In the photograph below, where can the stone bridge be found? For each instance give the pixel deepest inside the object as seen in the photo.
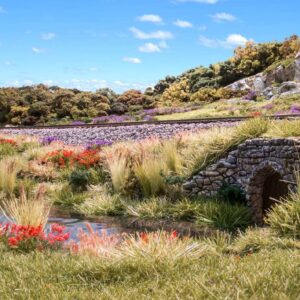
(263, 168)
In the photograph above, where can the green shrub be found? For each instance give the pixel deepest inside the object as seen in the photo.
(231, 194)
(79, 179)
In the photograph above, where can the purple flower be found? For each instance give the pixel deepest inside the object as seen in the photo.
(269, 106)
(47, 140)
(250, 96)
(295, 109)
(100, 120)
(97, 144)
(75, 123)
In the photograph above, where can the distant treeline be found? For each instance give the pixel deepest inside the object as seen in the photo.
(41, 104)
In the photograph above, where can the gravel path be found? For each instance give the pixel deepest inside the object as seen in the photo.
(82, 136)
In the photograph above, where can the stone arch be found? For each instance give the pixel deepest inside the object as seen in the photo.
(264, 186)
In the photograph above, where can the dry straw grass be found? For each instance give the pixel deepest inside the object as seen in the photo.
(27, 209)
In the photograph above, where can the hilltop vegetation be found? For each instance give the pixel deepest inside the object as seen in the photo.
(43, 105)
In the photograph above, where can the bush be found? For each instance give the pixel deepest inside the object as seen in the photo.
(79, 179)
(231, 194)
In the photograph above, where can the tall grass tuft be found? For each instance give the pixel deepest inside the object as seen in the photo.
(218, 144)
(162, 247)
(155, 208)
(100, 202)
(119, 172)
(284, 218)
(29, 209)
(171, 156)
(224, 216)
(9, 168)
(149, 174)
(285, 128)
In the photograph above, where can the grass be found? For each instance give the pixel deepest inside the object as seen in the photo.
(218, 144)
(100, 203)
(260, 263)
(284, 218)
(119, 173)
(149, 174)
(226, 108)
(28, 209)
(268, 274)
(9, 168)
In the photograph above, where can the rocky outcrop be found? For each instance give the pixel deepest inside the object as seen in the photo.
(249, 167)
(280, 81)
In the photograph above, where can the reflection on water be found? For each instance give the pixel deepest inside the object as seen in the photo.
(73, 223)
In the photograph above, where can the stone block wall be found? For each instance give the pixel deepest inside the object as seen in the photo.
(249, 166)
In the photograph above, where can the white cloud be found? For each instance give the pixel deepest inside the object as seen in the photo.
(163, 45)
(48, 36)
(232, 41)
(159, 35)
(236, 40)
(151, 18)
(133, 60)
(200, 1)
(8, 63)
(183, 24)
(149, 48)
(223, 17)
(37, 50)
(202, 28)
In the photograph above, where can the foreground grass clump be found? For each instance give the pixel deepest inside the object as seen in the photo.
(61, 276)
(29, 209)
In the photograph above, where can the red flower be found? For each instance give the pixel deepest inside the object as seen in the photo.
(12, 241)
(144, 237)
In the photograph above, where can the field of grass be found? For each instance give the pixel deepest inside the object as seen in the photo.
(229, 108)
(143, 180)
(269, 274)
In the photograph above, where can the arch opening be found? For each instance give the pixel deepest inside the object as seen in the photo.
(264, 189)
(273, 189)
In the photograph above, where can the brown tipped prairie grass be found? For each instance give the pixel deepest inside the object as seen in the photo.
(171, 156)
(9, 168)
(29, 209)
(149, 174)
(119, 172)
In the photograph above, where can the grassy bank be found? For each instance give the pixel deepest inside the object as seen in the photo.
(238, 107)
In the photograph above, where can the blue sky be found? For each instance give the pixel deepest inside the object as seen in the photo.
(125, 44)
